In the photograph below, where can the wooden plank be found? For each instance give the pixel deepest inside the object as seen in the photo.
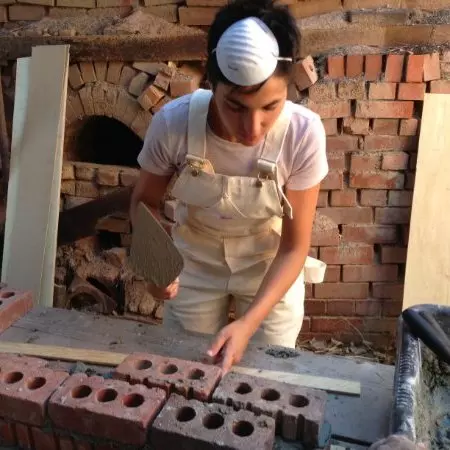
(19, 116)
(107, 358)
(353, 419)
(33, 238)
(428, 259)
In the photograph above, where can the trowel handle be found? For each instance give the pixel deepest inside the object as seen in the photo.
(431, 334)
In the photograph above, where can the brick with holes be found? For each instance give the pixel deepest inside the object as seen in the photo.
(195, 425)
(299, 412)
(109, 409)
(25, 391)
(188, 378)
(13, 305)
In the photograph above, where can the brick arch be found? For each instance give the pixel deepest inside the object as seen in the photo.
(106, 99)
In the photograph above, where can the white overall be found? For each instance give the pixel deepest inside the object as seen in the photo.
(228, 231)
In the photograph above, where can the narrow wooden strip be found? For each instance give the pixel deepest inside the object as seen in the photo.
(104, 358)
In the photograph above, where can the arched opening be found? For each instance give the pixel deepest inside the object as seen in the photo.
(104, 140)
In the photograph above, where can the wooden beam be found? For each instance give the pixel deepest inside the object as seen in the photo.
(104, 358)
(428, 259)
(33, 232)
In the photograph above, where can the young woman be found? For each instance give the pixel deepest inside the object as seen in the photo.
(249, 165)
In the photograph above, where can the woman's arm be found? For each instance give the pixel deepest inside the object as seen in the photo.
(284, 270)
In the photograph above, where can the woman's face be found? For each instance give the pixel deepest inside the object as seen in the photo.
(245, 115)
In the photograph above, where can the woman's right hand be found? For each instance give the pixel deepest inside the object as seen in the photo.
(165, 293)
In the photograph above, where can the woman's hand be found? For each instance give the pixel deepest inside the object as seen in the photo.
(167, 293)
(230, 344)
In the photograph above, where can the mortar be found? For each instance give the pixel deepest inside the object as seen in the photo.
(421, 408)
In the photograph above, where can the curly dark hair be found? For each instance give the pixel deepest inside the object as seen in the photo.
(276, 17)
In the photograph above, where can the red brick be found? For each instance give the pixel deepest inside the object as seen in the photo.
(388, 290)
(385, 126)
(331, 110)
(392, 308)
(25, 391)
(431, 67)
(440, 87)
(392, 255)
(355, 65)
(333, 274)
(84, 445)
(352, 89)
(410, 180)
(342, 143)
(324, 91)
(344, 215)
(65, 443)
(336, 160)
(14, 304)
(313, 252)
(334, 325)
(411, 91)
(375, 197)
(43, 440)
(368, 307)
(379, 325)
(405, 234)
(315, 307)
(383, 272)
(394, 68)
(373, 67)
(392, 215)
(325, 232)
(369, 234)
(305, 73)
(343, 198)
(414, 68)
(336, 67)
(26, 12)
(306, 325)
(323, 199)
(7, 433)
(110, 409)
(382, 91)
(400, 198)
(409, 127)
(395, 161)
(341, 291)
(384, 109)
(348, 254)
(198, 380)
(390, 143)
(192, 432)
(24, 438)
(341, 307)
(308, 290)
(351, 125)
(333, 180)
(377, 180)
(364, 161)
(330, 126)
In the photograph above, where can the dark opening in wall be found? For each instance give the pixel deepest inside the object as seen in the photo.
(104, 140)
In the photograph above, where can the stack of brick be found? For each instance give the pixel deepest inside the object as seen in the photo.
(152, 401)
(371, 108)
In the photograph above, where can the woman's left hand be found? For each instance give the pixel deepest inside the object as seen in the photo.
(230, 344)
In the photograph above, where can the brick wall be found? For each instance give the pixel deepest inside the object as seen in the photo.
(371, 107)
(201, 12)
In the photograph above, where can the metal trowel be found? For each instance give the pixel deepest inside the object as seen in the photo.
(153, 254)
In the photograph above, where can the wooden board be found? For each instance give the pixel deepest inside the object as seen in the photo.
(18, 129)
(107, 358)
(427, 277)
(33, 232)
(153, 254)
(353, 419)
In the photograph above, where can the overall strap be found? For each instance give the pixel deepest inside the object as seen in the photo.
(198, 114)
(273, 146)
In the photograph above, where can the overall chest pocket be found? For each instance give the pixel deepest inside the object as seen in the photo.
(198, 188)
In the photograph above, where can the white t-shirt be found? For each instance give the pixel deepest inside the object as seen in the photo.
(301, 165)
